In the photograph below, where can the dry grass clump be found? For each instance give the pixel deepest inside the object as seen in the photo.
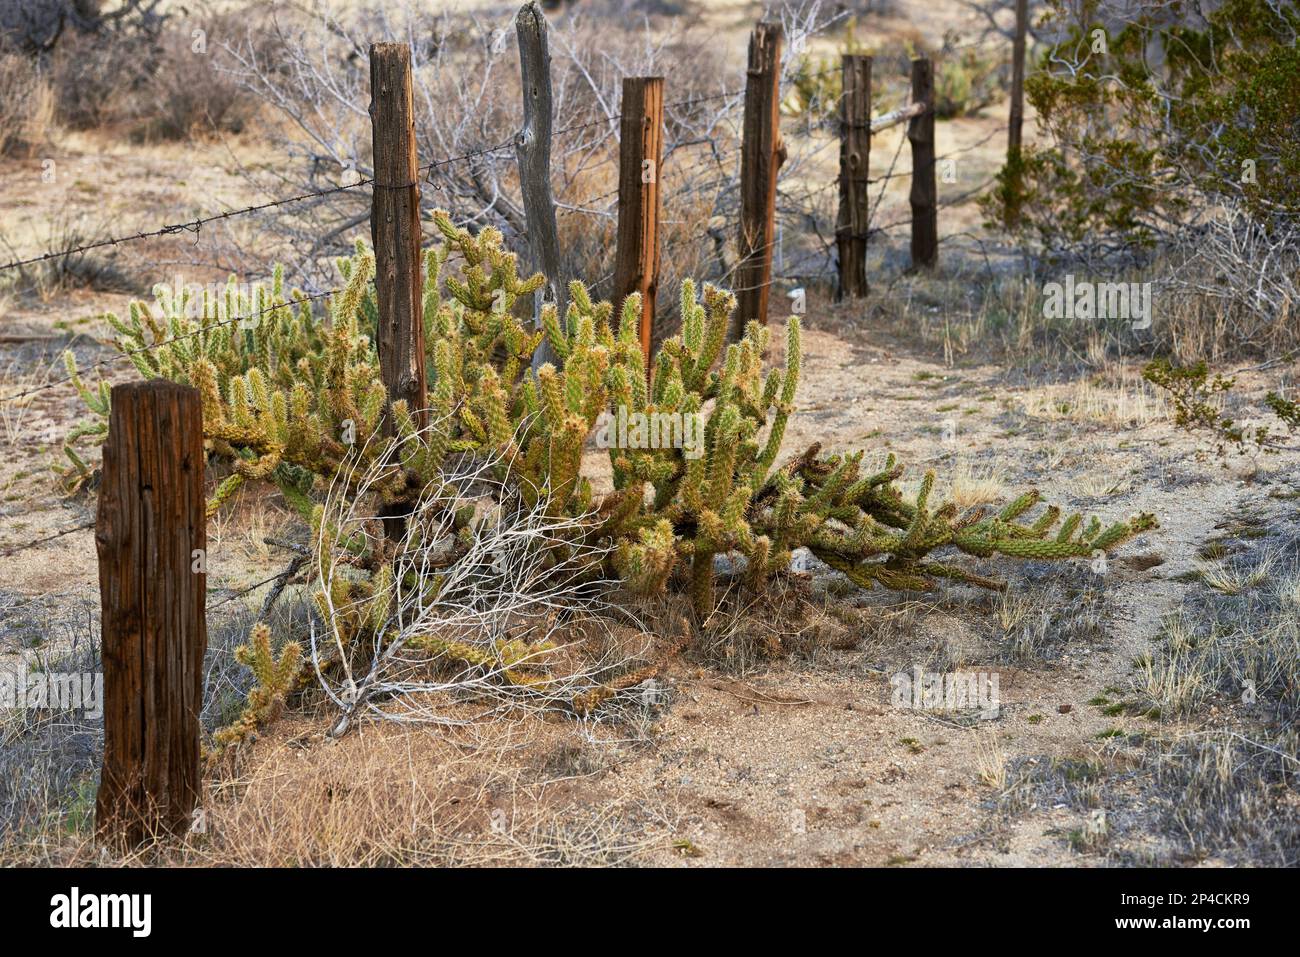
(786, 620)
(389, 797)
(1041, 622)
(1238, 640)
(1226, 794)
(94, 269)
(375, 798)
(991, 761)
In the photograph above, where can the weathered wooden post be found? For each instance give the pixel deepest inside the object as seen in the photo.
(151, 537)
(395, 233)
(925, 190)
(1016, 120)
(855, 152)
(395, 230)
(640, 154)
(762, 154)
(533, 151)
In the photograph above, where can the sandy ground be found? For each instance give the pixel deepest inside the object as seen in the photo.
(806, 761)
(802, 761)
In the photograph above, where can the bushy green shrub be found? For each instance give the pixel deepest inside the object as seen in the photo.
(1139, 144)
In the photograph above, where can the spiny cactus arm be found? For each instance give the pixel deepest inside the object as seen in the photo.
(646, 563)
(629, 319)
(223, 493)
(956, 573)
(274, 679)
(492, 409)
(98, 401)
(701, 584)
(293, 492)
(830, 492)
(1031, 542)
(476, 657)
(919, 576)
(868, 574)
(80, 472)
(554, 333)
(913, 543)
(435, 257)
(619, 511)
(722, 457)
(714, 315)
(565, 461)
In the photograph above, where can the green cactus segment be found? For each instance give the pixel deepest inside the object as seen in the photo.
(296, 401)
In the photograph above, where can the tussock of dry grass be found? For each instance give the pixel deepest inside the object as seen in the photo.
(388, 797)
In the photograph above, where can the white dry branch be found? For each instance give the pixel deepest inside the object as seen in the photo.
(309, 68)
(1249, 272)
(524, 579)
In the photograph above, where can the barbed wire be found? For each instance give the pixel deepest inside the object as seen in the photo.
(191, 226)
(196, 225)
(286, 573)
(15, 549)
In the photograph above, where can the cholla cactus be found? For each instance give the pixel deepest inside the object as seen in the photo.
(673, 507)
(274, 677)
(286, 397)
(291, 400)
(864, 528)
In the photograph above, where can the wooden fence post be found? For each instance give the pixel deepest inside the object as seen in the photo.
(762, 153)
(855, 153)
(925, 190)
(533, 150)
(640, 152)
(151, 537)
(395, 230)
(1017, 118)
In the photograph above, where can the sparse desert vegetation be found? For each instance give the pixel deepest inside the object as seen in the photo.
(976, 568)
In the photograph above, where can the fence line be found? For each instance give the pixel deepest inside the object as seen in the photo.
(164, 624)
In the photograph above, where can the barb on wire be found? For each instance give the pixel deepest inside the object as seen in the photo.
(15, 549)
(196, 225)
(429, 168)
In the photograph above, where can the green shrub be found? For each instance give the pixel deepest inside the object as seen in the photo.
(1135, 146)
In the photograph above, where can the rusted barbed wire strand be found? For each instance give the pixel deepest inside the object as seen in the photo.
(15, 549)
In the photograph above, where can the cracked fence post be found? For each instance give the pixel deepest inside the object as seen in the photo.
(855, 154)
(762, 154)
(1016, 119)
(151, 540)
(533, 152)
(925, 188)
(395, 231)
(640, 152)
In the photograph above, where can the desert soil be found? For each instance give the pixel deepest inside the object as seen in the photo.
(798, 761)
